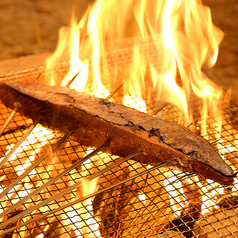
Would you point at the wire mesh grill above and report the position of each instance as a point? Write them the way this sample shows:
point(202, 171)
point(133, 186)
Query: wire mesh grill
point(161, 203)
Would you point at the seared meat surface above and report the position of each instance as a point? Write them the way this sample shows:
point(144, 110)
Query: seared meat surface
point(127, 130)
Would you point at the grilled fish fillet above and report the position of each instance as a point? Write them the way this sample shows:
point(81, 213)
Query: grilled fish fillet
point(95, 121)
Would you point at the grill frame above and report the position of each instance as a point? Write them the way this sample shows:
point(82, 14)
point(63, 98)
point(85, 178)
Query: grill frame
point(73, 150)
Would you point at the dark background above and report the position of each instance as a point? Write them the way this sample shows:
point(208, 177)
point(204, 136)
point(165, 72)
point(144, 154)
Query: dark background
point(30, 27)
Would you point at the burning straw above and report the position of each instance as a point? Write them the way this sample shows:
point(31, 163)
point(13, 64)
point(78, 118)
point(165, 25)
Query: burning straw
point(133, 209)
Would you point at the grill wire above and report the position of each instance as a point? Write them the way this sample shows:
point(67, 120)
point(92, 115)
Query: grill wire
point(142, 207)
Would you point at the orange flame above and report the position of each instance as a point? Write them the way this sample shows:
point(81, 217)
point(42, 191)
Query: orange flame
point(183, 37)
point(178, 35)
point(89, 223)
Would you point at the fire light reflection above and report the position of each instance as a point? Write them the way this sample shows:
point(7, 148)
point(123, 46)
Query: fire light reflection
point(187, 40)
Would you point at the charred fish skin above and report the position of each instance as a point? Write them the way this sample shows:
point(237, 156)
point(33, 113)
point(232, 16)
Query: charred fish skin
point(96, 120)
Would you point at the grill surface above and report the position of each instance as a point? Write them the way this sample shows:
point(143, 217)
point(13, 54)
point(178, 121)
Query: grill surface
point(161, 203)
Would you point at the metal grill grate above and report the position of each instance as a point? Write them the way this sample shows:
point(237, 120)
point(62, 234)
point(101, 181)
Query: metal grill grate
point(159, 203)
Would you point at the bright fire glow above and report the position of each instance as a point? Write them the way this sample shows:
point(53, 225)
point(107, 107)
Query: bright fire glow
point(183, 37)
point(89, 223)
point(38, 132)
point(175, 189)
point(142, 197)
point(183, 40)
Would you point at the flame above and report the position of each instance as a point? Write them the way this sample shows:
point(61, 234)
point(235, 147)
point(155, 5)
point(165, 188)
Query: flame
point(181, 32)
point(32, 139)
point(175, 190)
point(89, 223)
point(183, 39)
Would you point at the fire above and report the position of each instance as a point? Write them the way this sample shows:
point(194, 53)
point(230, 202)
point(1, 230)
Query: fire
point(91, 228)
point(39, 131)
point(81, 220)
point(183, 38)
point(175, 189)
point(181, 35)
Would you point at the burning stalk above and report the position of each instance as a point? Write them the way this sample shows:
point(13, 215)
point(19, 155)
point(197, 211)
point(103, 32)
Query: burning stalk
point(71, 80)
point(10, 153)
point(34, 165)
point(188, 42)
point(17, 128)
point(49, 182)
point(159, 109)
point(14, 111)
point(114, 92)
point(65, 191)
